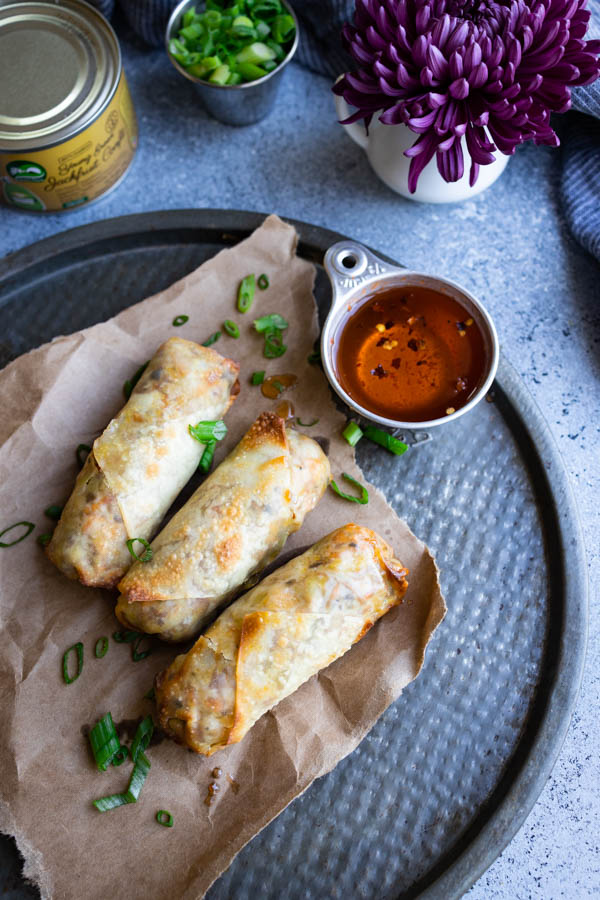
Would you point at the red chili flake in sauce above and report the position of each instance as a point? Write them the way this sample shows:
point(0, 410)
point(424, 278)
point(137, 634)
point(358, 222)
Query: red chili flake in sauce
point(379, 371)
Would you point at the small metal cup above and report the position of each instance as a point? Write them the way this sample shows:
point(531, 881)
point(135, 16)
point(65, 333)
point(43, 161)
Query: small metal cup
point(234, 104)
point(356, 274)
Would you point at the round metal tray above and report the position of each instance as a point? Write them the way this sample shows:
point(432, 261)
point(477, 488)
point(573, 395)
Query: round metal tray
point(450, 771)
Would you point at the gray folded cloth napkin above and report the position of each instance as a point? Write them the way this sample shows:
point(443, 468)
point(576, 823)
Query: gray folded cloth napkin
point(321, 50)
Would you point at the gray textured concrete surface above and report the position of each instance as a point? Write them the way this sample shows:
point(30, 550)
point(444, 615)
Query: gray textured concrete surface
point(510, 246)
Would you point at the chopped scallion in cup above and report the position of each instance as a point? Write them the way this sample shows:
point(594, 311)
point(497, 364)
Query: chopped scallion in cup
point(234, 43)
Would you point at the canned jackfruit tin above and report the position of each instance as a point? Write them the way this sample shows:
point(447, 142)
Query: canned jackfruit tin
point(68, 130)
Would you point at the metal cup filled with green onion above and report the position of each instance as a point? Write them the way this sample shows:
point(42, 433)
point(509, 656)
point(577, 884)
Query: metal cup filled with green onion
point(234, 52)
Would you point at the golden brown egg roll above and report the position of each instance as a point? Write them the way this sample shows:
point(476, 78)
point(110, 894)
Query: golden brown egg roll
point(231, 528)
point(265, 645)
point(141, 461)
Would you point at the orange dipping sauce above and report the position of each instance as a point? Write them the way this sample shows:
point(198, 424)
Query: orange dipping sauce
point(411, 354)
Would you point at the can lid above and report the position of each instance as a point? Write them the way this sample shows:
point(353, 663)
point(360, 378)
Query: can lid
point(59, 65)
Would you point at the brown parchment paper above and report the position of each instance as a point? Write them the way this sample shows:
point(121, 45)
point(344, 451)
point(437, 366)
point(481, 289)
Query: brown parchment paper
point(63, 394)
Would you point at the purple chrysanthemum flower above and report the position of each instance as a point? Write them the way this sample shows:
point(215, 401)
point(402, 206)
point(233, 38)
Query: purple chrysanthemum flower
point(489, 70)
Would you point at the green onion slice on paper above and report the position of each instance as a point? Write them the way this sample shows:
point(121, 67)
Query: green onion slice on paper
point(364, 494)
point(180, 320)
point(245, 296)
point(125, 637)
point(269, 323)
point(258, 377)
point(131, 795)
point(104, 741)
point(120, 756)
point(352, 433)
point(136, 654)
point(142, 737)
point(263, 281)
point(274, 346)
point(307, 424)
point(111, 802)
point(164, 817)
point(138, 777)
point(230, 328)
point(212, 339)
point(29, 526)
point(78, 648)
point(101, 647)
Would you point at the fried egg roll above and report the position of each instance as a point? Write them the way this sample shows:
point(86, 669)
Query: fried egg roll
point(140, 463)
point(265, 645)
point(231, 528)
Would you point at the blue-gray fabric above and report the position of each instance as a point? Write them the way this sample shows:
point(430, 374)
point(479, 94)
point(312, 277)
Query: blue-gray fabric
point(320, 49)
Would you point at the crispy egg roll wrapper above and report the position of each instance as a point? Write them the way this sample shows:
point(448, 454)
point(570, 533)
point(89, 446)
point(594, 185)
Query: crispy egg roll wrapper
point(231, 528)
point(265, 645)
point(140, 463)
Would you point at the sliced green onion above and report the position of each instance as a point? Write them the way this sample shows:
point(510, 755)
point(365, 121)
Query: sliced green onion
point(263, 281)
point(258, 377)
point(364, 494)
point(129, 385)
point(208, 431)
point(150, 695)
point(212, 339)
point(164, 817)
point(134, 638)
point(82, 448)
point(101, 648)
point(104, 741)
point(220, 75)
point(250, 71)
point(282, 28)
point(29, 526)
point(142, 737)
point(120, 756)
point(307, 424)
point(180, 320)
point(146, 555)
point(207, 457)
point(278, 386)
point(231, 328)
point(245, 296)
point(54, 512)
point(111, 802)
point(78, 648)
point(138, 777)
point(255, 53)
point(136, 654)
point(274, 346)
point(44, 539)
point(270, 322)
point(352, 433)
point(385, 440)
point(125, 637)
point(314, 358)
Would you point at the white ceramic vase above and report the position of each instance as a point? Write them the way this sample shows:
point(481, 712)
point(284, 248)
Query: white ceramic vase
point(385, 146)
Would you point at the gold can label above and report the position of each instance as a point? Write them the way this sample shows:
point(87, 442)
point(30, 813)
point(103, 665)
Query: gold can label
point(80, 169)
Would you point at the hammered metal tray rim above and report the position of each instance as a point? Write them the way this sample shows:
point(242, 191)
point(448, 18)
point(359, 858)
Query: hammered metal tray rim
point(518, 792)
